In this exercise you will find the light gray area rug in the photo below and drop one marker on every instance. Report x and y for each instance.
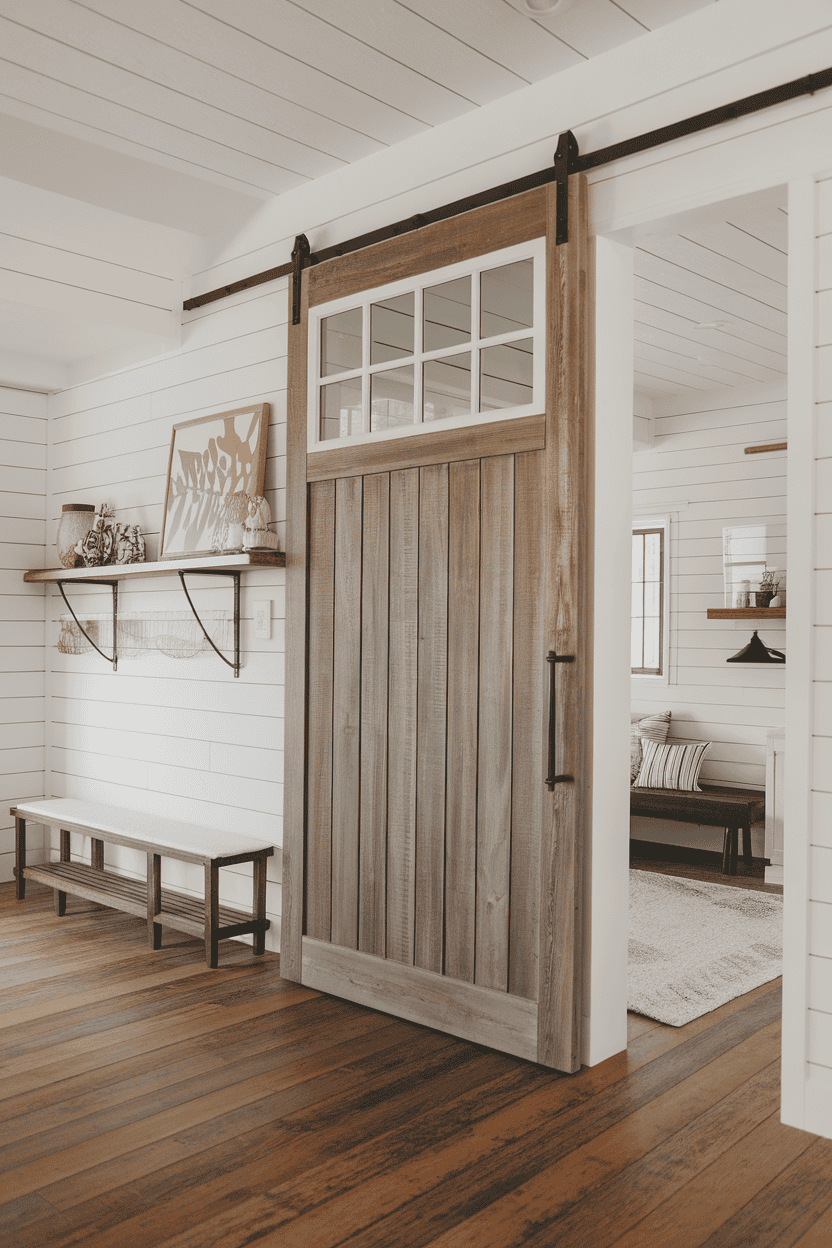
(694, 946)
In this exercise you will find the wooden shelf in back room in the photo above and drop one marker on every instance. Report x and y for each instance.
(746, 613)
(132, 571)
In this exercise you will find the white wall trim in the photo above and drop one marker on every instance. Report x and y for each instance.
(799, 633)
(607, 896)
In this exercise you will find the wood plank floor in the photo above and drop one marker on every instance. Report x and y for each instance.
(149, 1101)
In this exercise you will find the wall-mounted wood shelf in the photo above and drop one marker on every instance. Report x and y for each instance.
(109, 574)
(131, 571)
(746, 613)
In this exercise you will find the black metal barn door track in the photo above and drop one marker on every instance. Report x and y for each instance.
(567, 160)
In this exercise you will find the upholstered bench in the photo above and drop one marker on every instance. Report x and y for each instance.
(158, 838)
(727, 808)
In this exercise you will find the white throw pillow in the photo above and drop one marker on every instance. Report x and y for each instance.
(649, 728)
(671, 766)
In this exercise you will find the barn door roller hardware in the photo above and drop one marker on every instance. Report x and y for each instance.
(567, 160)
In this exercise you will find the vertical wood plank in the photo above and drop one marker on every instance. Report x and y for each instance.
(568, 625)
(495, 721)
(463, 717)
(432, 706)
(294, 789)
(96, 853)
(401, 767)
(528, 743)
(346, 711)
(321, 600)
(374, 654)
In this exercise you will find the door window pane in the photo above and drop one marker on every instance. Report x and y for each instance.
(391, 329)
(447, 314)
(391, 398)
(341, 342)
(341, 409)
(506, 298)
(506, 375)
(447, 386)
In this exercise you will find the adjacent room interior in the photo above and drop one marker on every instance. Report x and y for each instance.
(709, 562)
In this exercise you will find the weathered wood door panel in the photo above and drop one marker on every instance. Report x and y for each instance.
(428, 870)
(390, 733)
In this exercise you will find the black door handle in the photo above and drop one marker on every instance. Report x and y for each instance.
(552, 779)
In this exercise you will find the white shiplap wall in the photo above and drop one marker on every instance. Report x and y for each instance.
(699, 474)
(819, 927)
(182, 738)
(23, 443)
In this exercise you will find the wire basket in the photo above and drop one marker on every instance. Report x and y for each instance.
(174, 633)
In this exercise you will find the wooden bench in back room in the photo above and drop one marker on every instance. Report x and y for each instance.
(158, 838)
(731, 808)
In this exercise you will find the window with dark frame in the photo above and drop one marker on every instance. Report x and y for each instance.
(647, 609)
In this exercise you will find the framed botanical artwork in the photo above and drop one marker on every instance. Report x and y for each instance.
(211, 458)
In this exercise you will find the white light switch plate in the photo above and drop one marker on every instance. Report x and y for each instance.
(263, 619)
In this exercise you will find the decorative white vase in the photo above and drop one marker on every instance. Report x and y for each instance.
(75, 523)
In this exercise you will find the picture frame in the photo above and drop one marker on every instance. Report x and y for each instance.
(211, 458)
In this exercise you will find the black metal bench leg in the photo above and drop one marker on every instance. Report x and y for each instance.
(154, 900)
(729, 852)
(212, 913)
(259, 904)
(20, 857)
(60, 895)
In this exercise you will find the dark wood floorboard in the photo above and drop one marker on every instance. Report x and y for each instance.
(146, 1101)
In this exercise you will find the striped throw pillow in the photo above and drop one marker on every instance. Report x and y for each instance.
(651, 728)
(671, 766)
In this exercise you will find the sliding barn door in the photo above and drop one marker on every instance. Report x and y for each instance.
(429, 870)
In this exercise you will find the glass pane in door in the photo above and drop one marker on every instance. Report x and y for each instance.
(506, 375)
(446, 386)
(447, 314)
(391, 398)
(506, 298)
(341, 342)
(391, 329)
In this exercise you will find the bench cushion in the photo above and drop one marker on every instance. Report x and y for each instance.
(137, 825)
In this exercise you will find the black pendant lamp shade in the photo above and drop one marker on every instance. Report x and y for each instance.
(757, 652)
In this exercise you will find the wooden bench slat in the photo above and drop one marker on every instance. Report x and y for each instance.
(104, 887)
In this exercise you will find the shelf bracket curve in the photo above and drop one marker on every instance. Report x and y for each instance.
(111, 658)
(235, 664)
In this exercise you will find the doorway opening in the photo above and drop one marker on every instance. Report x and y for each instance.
(709, 565)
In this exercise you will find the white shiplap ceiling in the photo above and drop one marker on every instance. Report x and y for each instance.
(263, 95)
(183, 116)
(710, 291)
